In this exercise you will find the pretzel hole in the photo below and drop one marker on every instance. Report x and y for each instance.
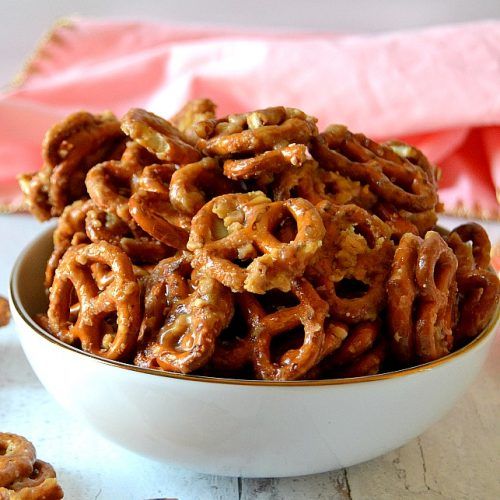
(275, 300)
(365, 232)
(102, 275)
(286, 230)
(284, 342)
(219, 230)
(35, 473)
(118, 183)
(350, 288)
(237, 328)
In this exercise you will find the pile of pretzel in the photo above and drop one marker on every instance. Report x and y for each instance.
(22, 476)
(252, 246)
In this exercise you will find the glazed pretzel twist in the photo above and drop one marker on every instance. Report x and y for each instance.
(198, 309)
(478, 286)
(272, 140)
(159, 137)
(294, 362)
(136, 243)
(361, 352)
(70, 149)
(17, 458)
(109, 185)
(421, 298)
(316, 184)
(237, 227)
(351, 268)
(193, 185)
(393, 178)
(152, 210)
(190, 114)
(233, 354)
(70, 231)
(74, 281)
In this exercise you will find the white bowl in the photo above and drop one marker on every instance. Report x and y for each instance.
(234, 427)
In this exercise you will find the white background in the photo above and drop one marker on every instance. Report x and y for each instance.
(24, 21)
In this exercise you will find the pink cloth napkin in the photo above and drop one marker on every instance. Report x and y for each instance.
(438, 88)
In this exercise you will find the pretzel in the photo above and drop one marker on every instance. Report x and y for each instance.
(158, 136)
(236, 227)
(271, 138)
(71, 148)
(70, 230)
(402, 221)
(351, 268)
(414, 156)
(233, 353)
(478, 286)
(137, 244)
(192, 112)
(193, 185)
(4, 312)
(17, 458)
(293, 361)
(136, 157)
(109, 185)
(49, 489)
(121, 297)
(35, 188)
(317, 184)
(421, 297)
(41, 472)
(393, 178)
(151, 208)
(361, 352)
(196, 309)
(269, 162)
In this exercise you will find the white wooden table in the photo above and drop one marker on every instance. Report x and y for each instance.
(458, 458)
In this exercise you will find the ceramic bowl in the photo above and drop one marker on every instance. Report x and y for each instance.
(234, 427)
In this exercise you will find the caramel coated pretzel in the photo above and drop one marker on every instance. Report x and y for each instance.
(393, 178)
(310, 313)
(421, 298)
(196, 309)
(351, 268)
(478, 286)
(190, 114)
(71, 148)
(360, 353)
(136, 243)
(158, 136)
(109, 185)
(151, 208)
(233, 353)
(316, 184)
(239, 227)
(17, 459)
(70, 230)
(41, 471)
(74, 280)
(193, 185)
(272, 140)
